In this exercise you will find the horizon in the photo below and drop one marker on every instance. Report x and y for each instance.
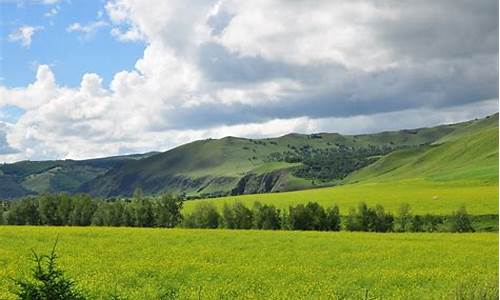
(126, 78)
(158, 151)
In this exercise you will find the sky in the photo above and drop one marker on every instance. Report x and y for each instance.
(91, 78)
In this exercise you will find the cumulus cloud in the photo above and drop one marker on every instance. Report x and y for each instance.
(265, 68)
(24, 35)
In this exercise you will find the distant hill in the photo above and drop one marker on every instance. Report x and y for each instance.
(233, 166)
(33, 177)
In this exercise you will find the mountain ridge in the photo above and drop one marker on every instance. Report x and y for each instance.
(235, 165)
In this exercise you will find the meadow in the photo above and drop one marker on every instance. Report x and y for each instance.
(423, 196)
(146, 263)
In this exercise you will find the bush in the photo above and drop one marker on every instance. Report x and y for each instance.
(204, 215)
(266, 217)
(168, 211)
(461, 221)
(237, 216)
(404, 218)
(333, 218)
(370, 219)
(48, 282)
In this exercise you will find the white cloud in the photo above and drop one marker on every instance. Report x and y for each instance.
(50, 2)
(89, 28)
(265, 68)
(52, 12)
(24, 35)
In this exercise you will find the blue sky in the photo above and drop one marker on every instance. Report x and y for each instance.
(82, 79)
(69, 54)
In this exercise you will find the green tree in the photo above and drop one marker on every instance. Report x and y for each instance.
(243, 216)
(128, 216)
(101, 215)
(83, 210)
(48, 209)
(404, 218)
(64, 208)
(228, 217)
(144, 215)
(23, 212)
(417, 224)
(266, 217)
(204, 215)
(352, 221)
(168, 211)
(461, 221)
(333, 218)
(383, 222)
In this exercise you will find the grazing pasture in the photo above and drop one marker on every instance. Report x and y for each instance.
(423, 196)
(145, 263)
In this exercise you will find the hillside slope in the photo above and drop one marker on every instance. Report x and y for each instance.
(468, 154)
(34, 177)
(235, 166)
(232, 166)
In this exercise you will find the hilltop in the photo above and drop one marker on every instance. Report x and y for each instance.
(233, 166)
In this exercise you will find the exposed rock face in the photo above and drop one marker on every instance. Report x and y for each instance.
(264, 183)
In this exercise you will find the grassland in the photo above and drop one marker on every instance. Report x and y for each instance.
(459, 169)
(423, 196)
(220, 264)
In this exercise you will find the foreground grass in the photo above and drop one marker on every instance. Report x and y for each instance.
(423, 196)
(220, 264)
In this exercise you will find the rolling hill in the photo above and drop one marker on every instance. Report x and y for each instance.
(234, 166)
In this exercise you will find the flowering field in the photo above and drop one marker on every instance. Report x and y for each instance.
(140, 263)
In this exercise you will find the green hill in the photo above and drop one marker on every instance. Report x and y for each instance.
(469, 154)
(464, 152)
(33, 177)
(459, 168)
(231, 166)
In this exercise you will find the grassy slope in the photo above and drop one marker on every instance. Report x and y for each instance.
(230, 158)
(469, 154)
(24, 177)
(459, 168)
(220, 264)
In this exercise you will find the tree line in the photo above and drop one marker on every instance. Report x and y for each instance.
(165, 211)
(82, 210)
(312, 216)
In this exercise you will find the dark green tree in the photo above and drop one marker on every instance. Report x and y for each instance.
(243, 216)
(64, 208)
(461, 221)
(228, 217)
(204, 215)
(383, 222)
(83, 210)
(266, 217)
(352, 221)
(168, 211)
(144, 215)
(404, 218)
(417, 224)
(333, 218)
(48, 209)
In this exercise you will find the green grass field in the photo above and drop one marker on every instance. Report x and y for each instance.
(221, 264)
(423, 196)
(459, 169)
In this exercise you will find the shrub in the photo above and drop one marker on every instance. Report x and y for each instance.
(204, 215)
(266, 216)
(404, 218)
(48, 282)
(461, 221)
(333, 218)
(168, 211)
